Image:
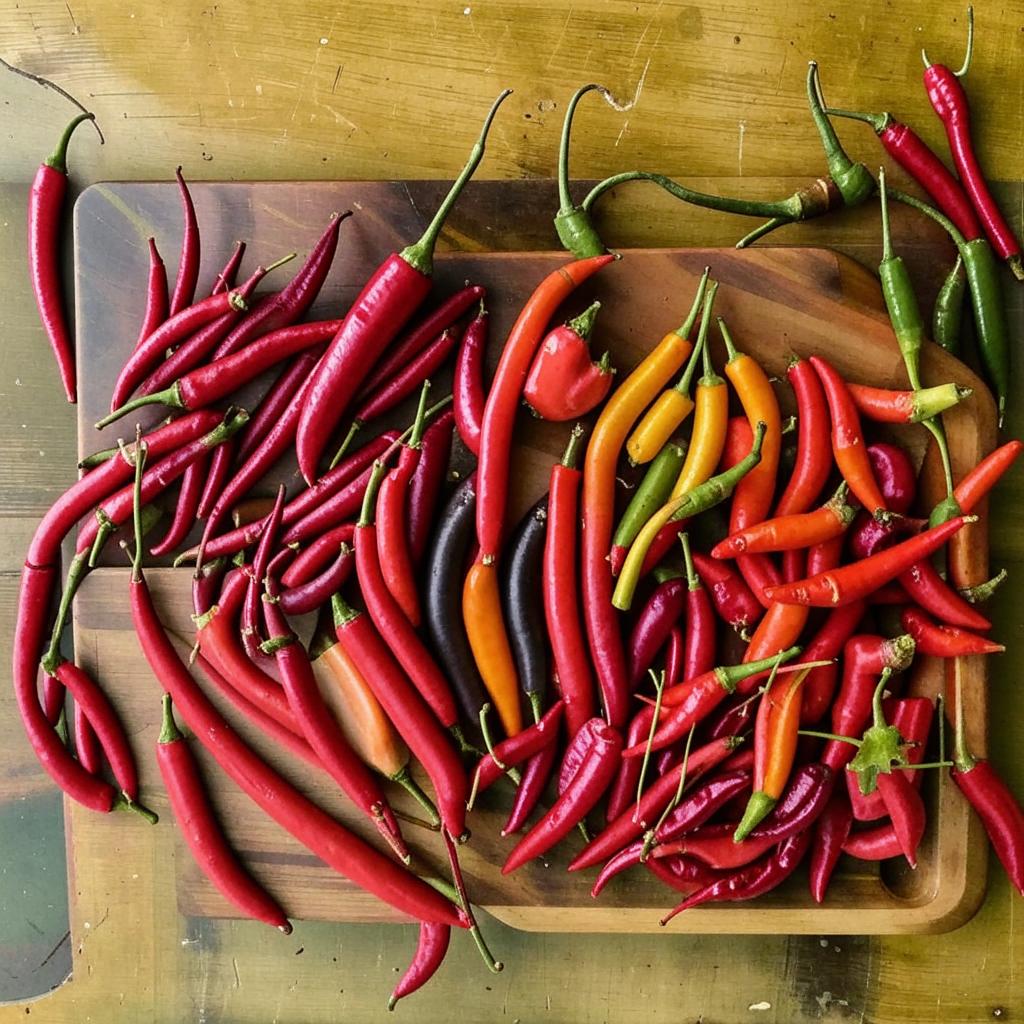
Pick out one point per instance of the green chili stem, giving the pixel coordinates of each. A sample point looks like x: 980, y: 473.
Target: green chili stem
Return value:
x: 818, y: 735
x: 659, y: 690
x: 877, y: 121
x: 368, y: 512
x: 572, y: 449
x: 169, y: 731
x: 684, y: 329
x: 58, y: 159
x: 419, y: 423
x: 683, y: 384
x: 962, y: 755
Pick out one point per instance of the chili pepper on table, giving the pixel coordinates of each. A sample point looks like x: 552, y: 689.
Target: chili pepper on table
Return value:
x: 733, y: 599
x: 87, y: 747
x: 573, y: 677
x: 672, y: 406
x: 387, y: 301
x: 651, y: 493
x: 200, y: 829
x: 623, y: 789
x: 226, y: 276
x: 45, y: 205
x: 188, y: 261
x: 851, y: 582
x: 713, y: 846
x: 675, y: 648
x: 531, y: 788
x: 311, y: 560
x: 442, y: 604
x: 523, y: 613
x: 802, y: 802
x: 156, y: 295
x: 314, y: 593
x: 185, y: 508
x: 873, y: 844
x: 830, y: 834
x: 681, y: 873
x: 839, y: 627
x: 563, y: 383
x: 653, y: 623
x: 700, y: 645
x: 408, y: 711
x: 949, y: 101
x: 945, y: 641
x: 431, y: 950
x: 575, y: 802
x: 704, y: 496
x: 257, y: 573
x: 948, y: 311
x: 598, y: 505
x: 425, y: 485
x: 468, y: 385
x: 886, y: 406
x: 519, y: 748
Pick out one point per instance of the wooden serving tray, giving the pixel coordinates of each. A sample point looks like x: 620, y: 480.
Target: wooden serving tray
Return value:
x: 777, y: 301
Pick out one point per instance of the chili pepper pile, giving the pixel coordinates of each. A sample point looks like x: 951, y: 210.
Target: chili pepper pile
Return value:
x: 704, y: 678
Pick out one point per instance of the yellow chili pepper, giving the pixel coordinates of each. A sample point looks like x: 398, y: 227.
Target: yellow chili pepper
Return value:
x: 673, y: 405
x: 485, y: 627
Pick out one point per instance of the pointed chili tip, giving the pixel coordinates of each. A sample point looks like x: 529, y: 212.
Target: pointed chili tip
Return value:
x: 286, y: 928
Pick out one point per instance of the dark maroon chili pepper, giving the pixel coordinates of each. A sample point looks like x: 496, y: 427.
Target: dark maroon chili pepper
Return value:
x: 468, y: 386
x: 314, y: 593
x: 949, y: 101
x: 294, y: 300
x: 188, y: 262
x: 430, y: 953
x: 633, y: 823
x: 801, y: 804
x: 753, y: 881
x: 427, y: 330
x: 682, y: 873
x: 87, y: 747
x: 320, y: 554
x: 906, y: 809
x: 103, y: 724
x: 200, y: 829
x: 626, y: 858
x: 427, y: 480
x: 820, y: 684
x: 868, y: 536
x: 675, y: 653
x: 519, y: 748
x: 409, y: 713
x: 45, y: 204
x: 733, y: 599
x: 830, y: 833
x: 529, y: 791
x: 524, y: 614
x: 225, y: 279
x: 734, y: 719
x: 337, y: 508
x: 389, y: 298
x: 623, y: 790
x: 715, y: 846
x: 156, y: 295
x: 701, y: 639
x: 572, y: 806
x: 53, y: 698
x: 320, y: 727
x: 442, y: 598
x: 654, y: 622
x: 185, y: 508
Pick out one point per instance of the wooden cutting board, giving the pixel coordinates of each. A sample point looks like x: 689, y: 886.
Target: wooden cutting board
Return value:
x: 777, y: 302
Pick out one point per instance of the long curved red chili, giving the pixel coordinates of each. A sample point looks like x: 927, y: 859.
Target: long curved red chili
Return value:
x: 315, y: 592
x: 157, y: 302
x: 468, y: 385
x: 430, y: 953
x: 653, y: 624
x: 531, y: 788
x: 185, y: 508
x: 820, y: 684
x: 945, y: 641
x: 311, y: 560
x: 188, y: 262
x: 830, y: 834
x: 514, y: 750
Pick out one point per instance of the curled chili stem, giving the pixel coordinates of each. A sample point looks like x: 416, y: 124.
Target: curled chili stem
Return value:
x: 968, y: 55
x: 659, y: 690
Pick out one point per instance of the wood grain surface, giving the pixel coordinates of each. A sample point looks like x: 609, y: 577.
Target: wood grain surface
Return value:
x: 249, y: 91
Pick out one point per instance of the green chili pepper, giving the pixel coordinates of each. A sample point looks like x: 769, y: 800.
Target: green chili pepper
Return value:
x: 948, y: 314
x: 652, y: 493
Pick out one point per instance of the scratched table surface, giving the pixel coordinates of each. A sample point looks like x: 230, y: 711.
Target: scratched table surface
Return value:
x: 300, y: 90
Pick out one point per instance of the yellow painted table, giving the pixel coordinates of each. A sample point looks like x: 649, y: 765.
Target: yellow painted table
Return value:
x: 299, y: 91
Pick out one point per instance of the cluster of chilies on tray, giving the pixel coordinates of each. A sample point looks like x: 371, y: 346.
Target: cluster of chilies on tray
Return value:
x: 810, y: 604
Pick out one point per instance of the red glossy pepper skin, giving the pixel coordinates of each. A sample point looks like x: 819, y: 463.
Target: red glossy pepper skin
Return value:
x: 321, y: 834
x: 879, y: 843
x: 519, y: 748
x: 157, y: 302
x: 813, y: 458
x: 576, y: 753
x: 1000, y: 813
x: 703, y: 803
x: 186, y: 508
x: 980, y: 480
x: 393, y: 293
x: 830, y: 834
x: 188, y: 263
x: 945, y: 641
x: 563, y: 382
x: 676, y: 649
x: 820, y: 684
x: 714, y: 846
x: 653, y: 625
x: 906, y: 809
x: 681, y: 873
x: 202, y: 833
x: 572, y: 806
x: 927, y: 588
x: 430, y: 953
x: 394, y: 556
x: 531, y: 788
x: 623, y: 789
x: 427, y: 481
x: 317, y: 556
x: 469, y: 398
x: 801, y: 804
x: 895, y: 475
x: 308, y: 596
x: 87, y: 746
x: 733, y: 599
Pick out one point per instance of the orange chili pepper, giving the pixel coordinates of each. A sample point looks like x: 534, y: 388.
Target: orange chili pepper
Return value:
x: 485, y: 627
x: 598, y: 506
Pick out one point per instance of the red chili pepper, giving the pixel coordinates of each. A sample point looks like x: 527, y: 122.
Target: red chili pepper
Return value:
x: 519, y: 748
x: 813, y: 458
x: 468, y: 386
x: 87, y: 746
x: 225, y: 279
x: 623, y: 789
x: 409, y: 713
x: 681, y: 873
x: 733, y: 599
x: 801, y: 804
x: 559, y: 579
x: 321, y: 729
x: 868, y: 536
x: 830, y: 834
x: 156, y: 295
x: 675, y: 651
x: 713, y: 845
x: 220, y: 466
x: 311, y: 560
x: 653, y: 624
x: 257, y: 573
x: 188, y: 262
x: 563, y: 383
x: 945, y: 641
x: 879, y: 843
x: 852, y: 582
x: 906, y: 809
x: 201, y: 831
x: 316, y: 592
x: 886, y: 406
x: 390, y: 297
x: 572, y: 806
x: 576, y: 753
x: 531, y: 788
x: 430, y: 953
x: 927, y: 588
x: 45, y: 204
x: 980, y: 480
x: 425, y: 485
x: 185, y: 508
x: 633, y: 822
x: 895, y: 475
x: 949, y: 101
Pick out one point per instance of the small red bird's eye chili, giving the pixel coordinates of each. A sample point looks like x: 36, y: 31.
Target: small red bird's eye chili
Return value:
x: 426, y: 483
x: 531, y: 788
x: 517, y: 749
x: 430, y: 953
x: 156, y: 295
x: 852, y: 582
x: 653, y: 624
x: 945, y: 641
x: 634, y: 821
x: 563, y: 383
x: 45, y: 205
x: 188, y: 261
x: 701, y: 641
x: 393, y: 552
x: 575, y: 802
x: 830, y: 834
x: 442, y: 600
x: 388, y: 299
x: 201, y: 831
x: 468, y: 385
x: 733, y: 599
x: 523, y: 612
x: 949, y: 101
